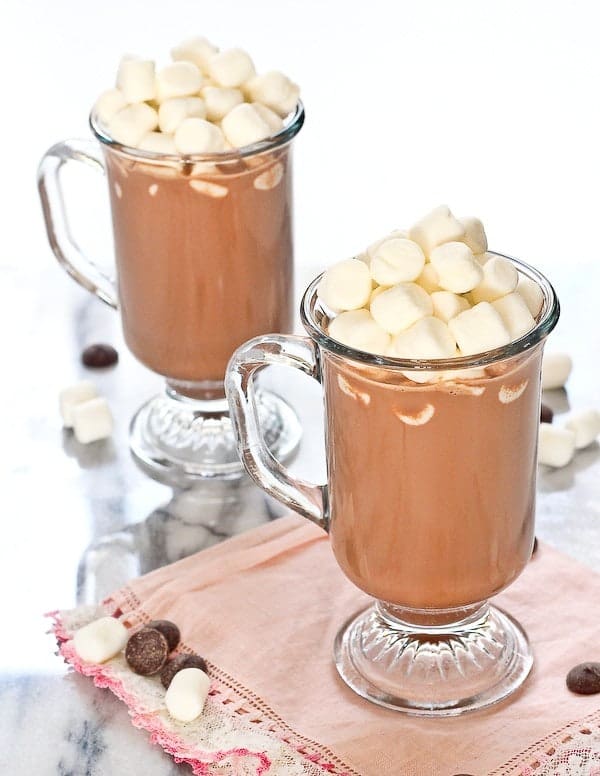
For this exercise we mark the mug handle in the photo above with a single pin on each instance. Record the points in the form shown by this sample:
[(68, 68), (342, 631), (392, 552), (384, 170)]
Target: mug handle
[(282, 350), (66, 250)]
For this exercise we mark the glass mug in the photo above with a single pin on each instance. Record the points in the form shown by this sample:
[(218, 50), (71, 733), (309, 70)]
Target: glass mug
[(429, 503), (204, 261)]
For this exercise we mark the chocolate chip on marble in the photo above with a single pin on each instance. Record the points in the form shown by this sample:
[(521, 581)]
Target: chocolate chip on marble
[(99, 356), (169, 630), (584, 679), (147, 651), (177, 664), (546, 414)]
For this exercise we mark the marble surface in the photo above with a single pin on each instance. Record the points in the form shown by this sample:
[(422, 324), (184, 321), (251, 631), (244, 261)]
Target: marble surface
[(80, 521)]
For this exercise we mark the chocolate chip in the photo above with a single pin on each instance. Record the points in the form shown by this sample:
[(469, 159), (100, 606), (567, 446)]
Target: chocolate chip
[(99, 356), (546, 414), (584, 679), (169, 630), (178, 663), (147, 651)]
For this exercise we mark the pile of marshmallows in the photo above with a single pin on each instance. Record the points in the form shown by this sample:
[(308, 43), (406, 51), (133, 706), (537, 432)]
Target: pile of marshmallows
[(205, 101), (431, 292), (85, 412)]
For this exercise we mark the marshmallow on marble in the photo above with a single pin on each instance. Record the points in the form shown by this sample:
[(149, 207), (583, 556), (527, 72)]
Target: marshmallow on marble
[(100, 640), (475, 236), (556, 368), (275, 90), (345, 286), (108, 104), (479, 329), (447, 305), (515, 314), (556, 446), (180, 79), (70, 397), (397, 308), (219, 101), (136, 79), (500, 278), (456, 267), (158, 143), (531, 293), (130, 124), (197, 50), (173, 111), (243, 126), (427, 338), (397, 260), (92, 420), (187, 693), (198, 136), (269, 117), (358, 329), (437, 227), (586, 427), (429, 279), (231, 68)]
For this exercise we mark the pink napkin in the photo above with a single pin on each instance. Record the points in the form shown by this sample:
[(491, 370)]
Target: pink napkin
[(263, 608)]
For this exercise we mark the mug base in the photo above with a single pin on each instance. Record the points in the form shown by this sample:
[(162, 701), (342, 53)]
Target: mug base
[(436, 671), (179, 441)]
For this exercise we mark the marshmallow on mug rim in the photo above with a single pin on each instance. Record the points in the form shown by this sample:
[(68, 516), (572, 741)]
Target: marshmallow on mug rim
[(186, 695), (479, 329), (437, 227), (345, 286), (515, 314), (198, 50), (447, 305), (198, 136), (397, 308), (456, 267), (500, 278), (556, 368), (73, 395), (92, 420), (556, 446), (244, 126), (158, 143), (397, 260), (275, 90), (179, 79), (585, 424), (358, 329), (100, 640), (232, 67), (427, 338), (220, 100), (475, 236), (136, 79), (130, 124), (531, 293), (173, 111), (108, 104)]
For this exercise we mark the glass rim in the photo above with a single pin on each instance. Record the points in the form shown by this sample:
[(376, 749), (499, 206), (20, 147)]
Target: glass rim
[(548, 318), (284, 136)]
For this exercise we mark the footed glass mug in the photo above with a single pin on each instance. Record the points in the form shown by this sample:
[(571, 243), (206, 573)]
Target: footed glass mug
[(429, 503), (204, 261)]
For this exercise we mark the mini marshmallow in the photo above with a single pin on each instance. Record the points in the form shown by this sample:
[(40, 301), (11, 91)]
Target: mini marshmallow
[(437, 227), (483, 258), (429, 279), (345, 286), (174, 110), (456, 267), (181, 79), (556, 446), (70, 397), (197, 50), (397, 260), (187, 693), (198, 136), (136, 79), (158, 143), (92, 420), (357, 329), (556, 368), (500, 278), (515, 314), (231, 68), (531, 293), (479, 329), (243, 126), (586, 427), (427, 338), (100, 640), (129, 125), (447, 305), (219, 101), (475, 236), (108, 104), (269, 117), (275, 90), (397, 308)]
